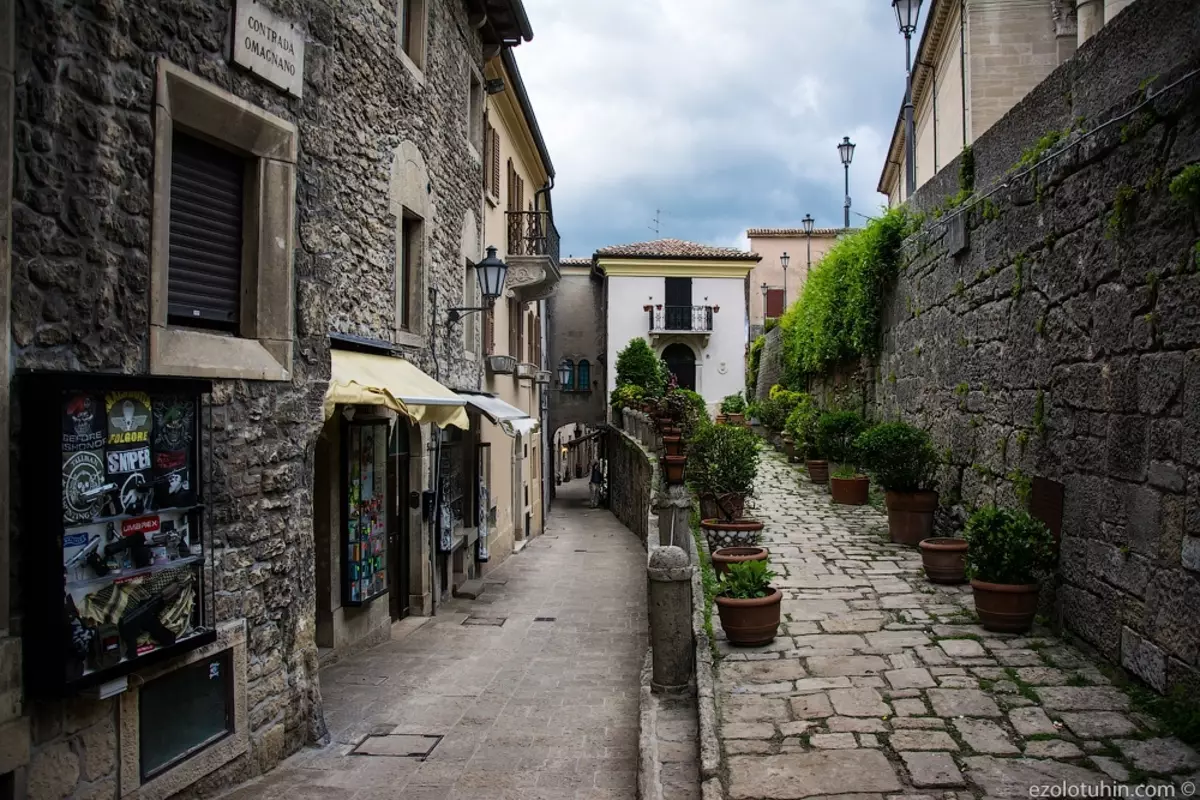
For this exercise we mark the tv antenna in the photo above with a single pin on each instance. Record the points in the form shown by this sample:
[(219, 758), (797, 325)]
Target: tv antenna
[(657, 222)]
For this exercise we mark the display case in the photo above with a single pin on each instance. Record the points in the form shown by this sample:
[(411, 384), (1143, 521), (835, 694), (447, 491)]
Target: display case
[(116, 564), (365, 500)]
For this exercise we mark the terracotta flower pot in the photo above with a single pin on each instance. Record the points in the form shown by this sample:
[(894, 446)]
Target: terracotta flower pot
[(850, 491), (818, 471), (673, 445), (724, 556), (1005, 608), (740, 533), (737, 419), (721, 419), (671, 430), (727, 507), (674, 466), (751, 622), (910, 515), (944, 559)]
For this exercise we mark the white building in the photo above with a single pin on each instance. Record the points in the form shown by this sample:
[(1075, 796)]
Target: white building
[(688, 301)]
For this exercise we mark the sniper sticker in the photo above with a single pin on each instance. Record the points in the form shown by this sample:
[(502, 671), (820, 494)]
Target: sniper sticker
[(127, 455)]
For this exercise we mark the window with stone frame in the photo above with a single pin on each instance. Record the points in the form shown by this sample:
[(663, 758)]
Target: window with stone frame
[(411, 246), (221, 272), (411, 26)]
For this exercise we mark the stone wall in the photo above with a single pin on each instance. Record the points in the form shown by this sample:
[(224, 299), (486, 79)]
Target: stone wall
[(81, 218), (1052, 329), (633, 474), (770, 364), (576, 324)]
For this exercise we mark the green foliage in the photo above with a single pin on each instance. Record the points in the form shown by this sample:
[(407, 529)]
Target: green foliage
[(753, 361), (1122, 213), (966, 170), (1008, 547), (747, 580), (723, 459), (687, 408), (1022, 485), (989, 210), (845, 471), (900, 457), (837, 432), (733, 404), (1023, 441), (1034, 154), (775, 410), (1018, 275), (637, 365), (753, 410), (837, 315), (1185, 187), (770, 324), (801, 425), (627, 395), (708, 577)]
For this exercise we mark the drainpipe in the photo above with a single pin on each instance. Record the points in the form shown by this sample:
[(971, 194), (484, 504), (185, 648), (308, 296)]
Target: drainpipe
[(1089, 16), (962, 65)]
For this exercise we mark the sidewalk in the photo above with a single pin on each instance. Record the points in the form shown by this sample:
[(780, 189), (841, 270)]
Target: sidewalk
[(541, 707), (880, 683)]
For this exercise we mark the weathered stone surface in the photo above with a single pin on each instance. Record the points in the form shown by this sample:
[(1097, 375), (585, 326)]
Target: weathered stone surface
[(747, 730), (856, 725), (1042, 676), (914, 678), (798, 775), (1051, 748), (1012, 777), (775, 670), (921, 740), (932, 770), (53, 772), (1082, 698), (833, 741), (962, 648), (962, 703), (1164, 756), (984, 736), (811, 706), (858, 702), (828, 666), (1142, 658), (750, 708), (1031, 721)]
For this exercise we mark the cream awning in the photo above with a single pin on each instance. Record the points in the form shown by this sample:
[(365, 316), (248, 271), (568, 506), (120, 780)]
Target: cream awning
[(512, 420), (520, 427), (365, 379)]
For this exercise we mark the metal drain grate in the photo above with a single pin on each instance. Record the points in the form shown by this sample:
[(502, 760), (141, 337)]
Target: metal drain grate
[(544, 619), (495, 622), (398, 745)]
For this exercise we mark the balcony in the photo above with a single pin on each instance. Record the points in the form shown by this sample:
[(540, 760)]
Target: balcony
[(533, 260), (681, 321)]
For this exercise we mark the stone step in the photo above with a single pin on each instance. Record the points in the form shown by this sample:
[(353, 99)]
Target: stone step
[(470, 589)]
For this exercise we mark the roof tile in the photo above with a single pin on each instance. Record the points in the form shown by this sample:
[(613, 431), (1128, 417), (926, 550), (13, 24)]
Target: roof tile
[(675, 248)]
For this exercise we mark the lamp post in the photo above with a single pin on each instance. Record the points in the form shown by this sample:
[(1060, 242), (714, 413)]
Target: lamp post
[(846, 151), (784, 260), (908, 12), (808, 232)]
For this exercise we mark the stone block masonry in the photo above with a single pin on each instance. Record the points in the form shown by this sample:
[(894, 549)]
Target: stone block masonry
[(633, 476), (1064, 342)]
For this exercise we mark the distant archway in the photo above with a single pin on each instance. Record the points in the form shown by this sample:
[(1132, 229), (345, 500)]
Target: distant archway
[(681, 360)]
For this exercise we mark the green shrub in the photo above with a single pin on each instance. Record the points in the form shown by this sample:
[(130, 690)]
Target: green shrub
[(747, 580), (733, 404), (753, 360), (900, 457), (778, 406), (801, 425), (637, 365), (1008, 546), (836, 434), (627, 395), (686, 408), (722, 459), (1185, 186), (837, 316), (754, 410)]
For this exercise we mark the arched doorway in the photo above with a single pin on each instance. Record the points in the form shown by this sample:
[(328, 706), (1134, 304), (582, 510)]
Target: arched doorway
[(682, 363)]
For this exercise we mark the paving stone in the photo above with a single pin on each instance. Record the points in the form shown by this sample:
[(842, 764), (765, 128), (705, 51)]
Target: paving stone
[(826, 666), (962, 648), (921, 740), (930, 770), (1052, 748), (1042, 676), (833, 741), (844, 625), (1019, 658), (797, 728), (1099, 724), (1164, 756), (830, 641), (745, 746), (821, 684), (984, 736), (747, 730), (958, 682), (1031, 721), (856, 725), (915, 678), (1082, 698), (868, 740), (749, 708), (811, 774), (777, 669), (858, 703), (962, 703), (811, 706), (867, 682), (909, 707), (897, 639), (1012, 777), (918, 723), (1111, 767)]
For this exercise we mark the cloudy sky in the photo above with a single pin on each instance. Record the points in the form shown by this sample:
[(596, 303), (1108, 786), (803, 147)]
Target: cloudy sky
[(723, 114)]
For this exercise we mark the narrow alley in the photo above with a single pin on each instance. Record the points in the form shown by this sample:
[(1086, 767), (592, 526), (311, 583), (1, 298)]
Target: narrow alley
[(881, 683), (529, 692)]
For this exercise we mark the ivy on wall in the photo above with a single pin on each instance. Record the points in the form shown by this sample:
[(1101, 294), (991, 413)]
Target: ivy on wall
[(837, 316)]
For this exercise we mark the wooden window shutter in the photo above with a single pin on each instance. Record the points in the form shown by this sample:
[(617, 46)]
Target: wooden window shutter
[(514, 328), (537, 340), (774, 303), (512, 185), (487, 154), (204, 272), (495, 164)]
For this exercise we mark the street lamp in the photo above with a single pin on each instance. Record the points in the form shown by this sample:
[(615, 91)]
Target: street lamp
[(808, 232), (564, 374), (784, 260), (764, 293), (907, 14), (490, 273), (846, 151)]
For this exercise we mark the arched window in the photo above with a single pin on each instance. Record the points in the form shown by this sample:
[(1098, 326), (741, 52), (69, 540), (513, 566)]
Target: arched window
[(583, 376)]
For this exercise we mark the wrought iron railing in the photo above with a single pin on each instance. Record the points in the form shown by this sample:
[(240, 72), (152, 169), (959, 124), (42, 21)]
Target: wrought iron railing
[(693, 319), (532, 233)]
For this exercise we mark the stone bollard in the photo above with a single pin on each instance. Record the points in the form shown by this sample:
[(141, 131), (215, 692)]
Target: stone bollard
[(674, 518), (670, 607)]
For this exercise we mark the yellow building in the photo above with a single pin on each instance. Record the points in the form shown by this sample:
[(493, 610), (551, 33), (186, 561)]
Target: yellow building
[(518, 221)]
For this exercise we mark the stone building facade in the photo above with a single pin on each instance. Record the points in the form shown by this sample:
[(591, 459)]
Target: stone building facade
[(372, 172), (575, 315)]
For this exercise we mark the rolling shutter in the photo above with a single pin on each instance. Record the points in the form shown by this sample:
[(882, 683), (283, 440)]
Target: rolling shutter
[(774, 303), (205, 259)]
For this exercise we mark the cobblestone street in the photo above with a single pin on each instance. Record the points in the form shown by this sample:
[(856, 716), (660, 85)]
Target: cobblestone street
[(541, 707), (881, 684)]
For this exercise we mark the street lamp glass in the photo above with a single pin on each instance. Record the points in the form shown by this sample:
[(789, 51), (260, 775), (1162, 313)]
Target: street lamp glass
[(491, 273), (564, 373), (808, 224), (907, 14), (785, 259), (846, 148)]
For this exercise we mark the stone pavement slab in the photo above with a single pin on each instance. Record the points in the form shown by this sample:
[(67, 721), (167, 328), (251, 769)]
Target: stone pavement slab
[(902, 693)]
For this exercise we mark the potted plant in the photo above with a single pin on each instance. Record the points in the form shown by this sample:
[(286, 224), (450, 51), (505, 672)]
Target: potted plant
[(944, 559), (836, 434), (674, 468), (722, 466), (722, 557), (733, 407), (672, 445), (748, 605), (1008, 551), (800, 426), (901, 458)]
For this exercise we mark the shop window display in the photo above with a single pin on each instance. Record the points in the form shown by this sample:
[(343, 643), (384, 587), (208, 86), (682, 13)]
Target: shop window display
[(123, 525), (365, 459)]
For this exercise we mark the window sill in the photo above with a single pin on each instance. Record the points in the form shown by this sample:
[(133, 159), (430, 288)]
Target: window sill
[(200, 354), (474, 153), (405, 59), (492, 200), (410, 339)]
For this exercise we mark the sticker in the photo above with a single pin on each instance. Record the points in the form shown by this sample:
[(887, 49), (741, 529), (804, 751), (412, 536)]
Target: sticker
[(127, 457), (83, 486), (171, 442), (147, 526), (75, 540)]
